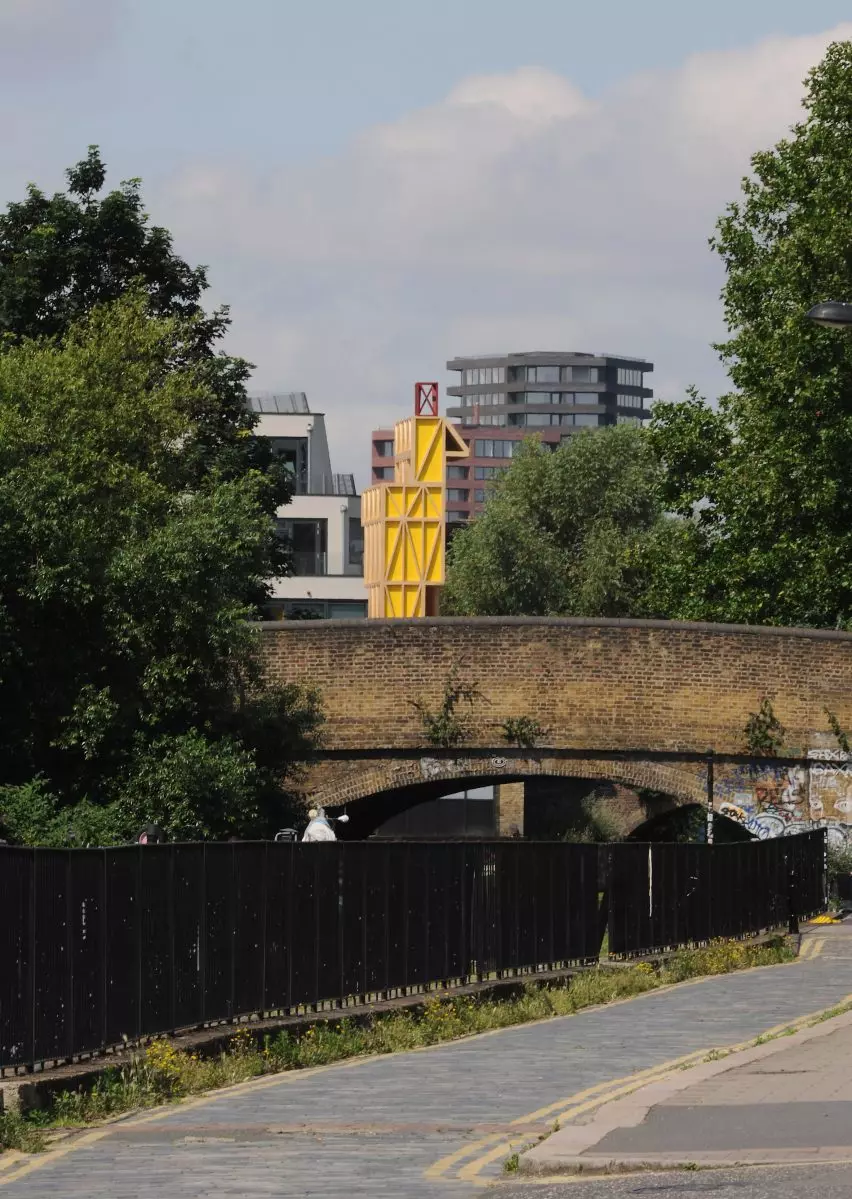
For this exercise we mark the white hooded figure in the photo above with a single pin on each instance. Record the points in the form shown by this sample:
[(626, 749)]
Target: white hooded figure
[(318, 827)]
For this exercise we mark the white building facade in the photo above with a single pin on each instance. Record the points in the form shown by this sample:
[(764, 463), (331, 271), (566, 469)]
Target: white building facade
[(322, 522)]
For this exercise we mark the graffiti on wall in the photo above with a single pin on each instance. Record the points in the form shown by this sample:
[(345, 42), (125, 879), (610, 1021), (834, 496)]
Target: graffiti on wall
[(777, 801)]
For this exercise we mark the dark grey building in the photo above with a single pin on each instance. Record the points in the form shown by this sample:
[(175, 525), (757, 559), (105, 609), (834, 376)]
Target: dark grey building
[(502, 398)]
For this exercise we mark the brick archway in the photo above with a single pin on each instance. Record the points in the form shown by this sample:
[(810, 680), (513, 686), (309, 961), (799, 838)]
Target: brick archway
[(642, 692), (335, 783)]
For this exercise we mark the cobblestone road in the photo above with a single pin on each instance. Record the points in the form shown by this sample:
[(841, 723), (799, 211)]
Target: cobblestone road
[(436, 1122)]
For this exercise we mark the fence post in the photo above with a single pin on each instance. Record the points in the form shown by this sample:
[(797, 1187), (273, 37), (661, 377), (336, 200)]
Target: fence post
[(710, 790)]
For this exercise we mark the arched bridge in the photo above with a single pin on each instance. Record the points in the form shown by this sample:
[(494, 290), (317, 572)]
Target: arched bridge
[(630, 701)]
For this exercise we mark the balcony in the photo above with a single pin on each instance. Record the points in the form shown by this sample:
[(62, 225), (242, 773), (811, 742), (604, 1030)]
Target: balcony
[(307, 563)]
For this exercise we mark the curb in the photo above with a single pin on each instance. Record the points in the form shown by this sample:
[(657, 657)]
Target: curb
[(568, 1150)]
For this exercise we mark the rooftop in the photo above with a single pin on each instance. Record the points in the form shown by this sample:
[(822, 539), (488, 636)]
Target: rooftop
[(286, 402), (536, 354)]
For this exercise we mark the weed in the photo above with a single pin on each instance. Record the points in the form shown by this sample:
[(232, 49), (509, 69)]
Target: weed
[(445, 727), (523, 731), (512, 1163), (764, 732), (17, 1132)]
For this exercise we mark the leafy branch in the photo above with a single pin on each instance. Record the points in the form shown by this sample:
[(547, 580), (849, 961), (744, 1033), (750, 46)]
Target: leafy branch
[(446, 726), (523, 731), (841, 737), (764, 732)]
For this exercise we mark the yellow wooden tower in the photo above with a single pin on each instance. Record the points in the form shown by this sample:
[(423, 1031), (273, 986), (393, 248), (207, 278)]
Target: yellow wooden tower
[(404, 520)]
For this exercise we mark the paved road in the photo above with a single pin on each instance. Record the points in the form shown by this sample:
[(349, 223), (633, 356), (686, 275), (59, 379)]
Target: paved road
[(809, 1182), (435, 1122)]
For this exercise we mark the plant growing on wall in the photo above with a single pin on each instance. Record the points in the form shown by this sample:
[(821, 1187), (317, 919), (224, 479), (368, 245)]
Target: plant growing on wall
[(840, 736), (764, 732), (523, 731), (445, 726)]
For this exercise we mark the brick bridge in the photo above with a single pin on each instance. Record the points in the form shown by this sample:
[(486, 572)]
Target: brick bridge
[(637, 703)]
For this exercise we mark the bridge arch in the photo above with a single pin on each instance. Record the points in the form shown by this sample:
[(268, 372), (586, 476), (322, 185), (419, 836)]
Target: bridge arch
[(638, 691)]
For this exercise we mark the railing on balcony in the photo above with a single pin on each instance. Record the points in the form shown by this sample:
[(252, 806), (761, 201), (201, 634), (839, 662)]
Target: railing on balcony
[(306, 562)]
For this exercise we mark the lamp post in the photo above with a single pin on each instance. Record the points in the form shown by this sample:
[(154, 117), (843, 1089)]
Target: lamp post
[(832, 314)]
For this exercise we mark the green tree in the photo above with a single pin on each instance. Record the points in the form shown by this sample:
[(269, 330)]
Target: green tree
[(766, 482), (62, 255), (130, 683), (574, 531)]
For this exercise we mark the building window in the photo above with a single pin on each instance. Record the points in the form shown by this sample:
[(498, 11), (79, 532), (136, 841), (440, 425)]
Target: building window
[(587, 397), (457, 472), (356, 542), (627, 401), (623, 419), (453, 516), (537, 397), (586, 418), (316, 609), (484, 374), (495, 449), (479, 495), (457, 495), (383, 449), (308, 544), (580, 374), (293, 453), (630, 376), (382, 472), (487, 472)]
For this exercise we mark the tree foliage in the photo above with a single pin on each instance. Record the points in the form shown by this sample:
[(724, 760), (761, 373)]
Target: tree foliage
[(575, 531), (765, 482), (62, 255), (129, 676)]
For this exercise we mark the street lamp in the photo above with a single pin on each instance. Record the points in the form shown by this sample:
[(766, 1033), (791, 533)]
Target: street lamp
[(832, 314)]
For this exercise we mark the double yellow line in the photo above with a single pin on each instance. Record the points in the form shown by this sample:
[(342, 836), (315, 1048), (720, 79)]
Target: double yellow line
[(811, 949), (489, 1149), (467, 1163)]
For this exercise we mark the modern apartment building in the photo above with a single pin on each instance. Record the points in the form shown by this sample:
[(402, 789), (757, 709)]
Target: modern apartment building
[(322, 522), (501, 399)]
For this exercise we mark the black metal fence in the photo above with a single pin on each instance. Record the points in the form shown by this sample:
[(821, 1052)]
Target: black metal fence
[(664, 895), (99, 946)]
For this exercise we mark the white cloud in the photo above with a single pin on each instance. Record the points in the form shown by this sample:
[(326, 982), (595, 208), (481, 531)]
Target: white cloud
[(515, 214)]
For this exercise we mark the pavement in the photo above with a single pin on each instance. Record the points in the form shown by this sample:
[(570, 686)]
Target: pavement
[(787, 1101), (443, 1121)]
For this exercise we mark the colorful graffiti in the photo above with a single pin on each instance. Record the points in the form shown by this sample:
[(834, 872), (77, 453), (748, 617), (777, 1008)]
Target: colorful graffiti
[(777, 801)]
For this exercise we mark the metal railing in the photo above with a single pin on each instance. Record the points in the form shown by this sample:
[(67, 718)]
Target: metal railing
[(103, 946), (307, 563)]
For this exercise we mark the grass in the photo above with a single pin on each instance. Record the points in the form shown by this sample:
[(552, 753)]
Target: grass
[(164, 1074)]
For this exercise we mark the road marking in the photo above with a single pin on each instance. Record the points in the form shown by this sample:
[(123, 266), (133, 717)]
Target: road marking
[(600, 1091), (471, 1171), (812, 948)]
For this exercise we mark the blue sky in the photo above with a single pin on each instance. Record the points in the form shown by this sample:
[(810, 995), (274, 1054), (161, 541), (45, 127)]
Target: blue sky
[(379, 186)]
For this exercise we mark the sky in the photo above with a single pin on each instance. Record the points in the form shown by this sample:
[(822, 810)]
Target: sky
[(377, 186)]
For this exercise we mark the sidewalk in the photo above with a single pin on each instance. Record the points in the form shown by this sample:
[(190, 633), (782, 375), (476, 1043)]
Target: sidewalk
[(788, 1100)]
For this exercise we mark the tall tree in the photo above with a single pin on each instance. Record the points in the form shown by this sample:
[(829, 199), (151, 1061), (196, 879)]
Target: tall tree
[(62, 255), (130, 684), (766, 481), (569, 532)]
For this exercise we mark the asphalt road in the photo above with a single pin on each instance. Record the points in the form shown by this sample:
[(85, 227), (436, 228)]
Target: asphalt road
[(796, 1182)]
